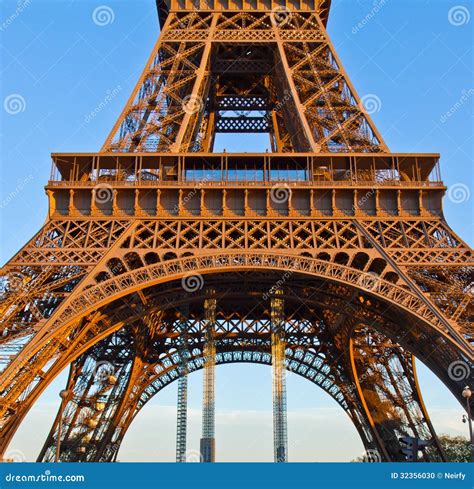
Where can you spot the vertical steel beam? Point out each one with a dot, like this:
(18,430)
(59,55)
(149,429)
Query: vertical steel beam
(280,433)
(182,418)
(304,128)
(182,403)
(208,403)
(197,93)
(140,82)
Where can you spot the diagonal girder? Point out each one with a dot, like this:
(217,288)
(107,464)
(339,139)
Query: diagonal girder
(316,108)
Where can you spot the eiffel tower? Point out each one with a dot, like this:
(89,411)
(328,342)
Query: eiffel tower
(328,257)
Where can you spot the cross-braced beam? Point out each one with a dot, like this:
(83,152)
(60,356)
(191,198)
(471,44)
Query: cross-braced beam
(208,399)
(280,437)
(182,403)
(359,227)
(377,386)
(201,57)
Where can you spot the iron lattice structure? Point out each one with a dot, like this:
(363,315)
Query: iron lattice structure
(182,402)
(352,236)
(207,448)
(280,434)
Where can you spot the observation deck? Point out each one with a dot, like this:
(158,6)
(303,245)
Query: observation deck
(269,185)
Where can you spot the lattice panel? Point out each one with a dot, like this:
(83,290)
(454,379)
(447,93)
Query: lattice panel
(331,105)
(242,124)
(452,290)
(152,118)
(97,383)
(158,116)
(388,385)
(75,242)
(423,242)
(248,234)
(82,279)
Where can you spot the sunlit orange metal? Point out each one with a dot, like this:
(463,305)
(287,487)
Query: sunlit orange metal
(330,211)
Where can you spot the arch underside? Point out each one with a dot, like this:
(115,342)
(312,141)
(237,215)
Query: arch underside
(337,290)
(335,340)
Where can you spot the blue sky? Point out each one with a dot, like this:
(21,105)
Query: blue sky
(59,66)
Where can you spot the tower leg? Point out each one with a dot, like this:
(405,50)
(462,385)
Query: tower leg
(387,385)
(208,408)
(280,436)
(97,383)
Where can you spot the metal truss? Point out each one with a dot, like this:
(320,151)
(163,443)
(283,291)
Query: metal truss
(207,447)
(280,431)
(73,324)
(204,59)
(321,7)
(182,403)
(95,386)
(316,348)
(353,236)
(392,400)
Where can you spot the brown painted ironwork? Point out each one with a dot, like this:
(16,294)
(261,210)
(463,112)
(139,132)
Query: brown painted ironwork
(352,235)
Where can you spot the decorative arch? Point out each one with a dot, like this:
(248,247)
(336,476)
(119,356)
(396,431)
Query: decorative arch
(77,322)
(167,371)
(151,379)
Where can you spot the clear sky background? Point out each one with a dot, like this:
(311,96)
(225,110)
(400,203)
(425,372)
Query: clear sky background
(57,68)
